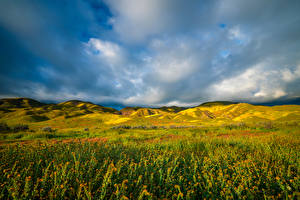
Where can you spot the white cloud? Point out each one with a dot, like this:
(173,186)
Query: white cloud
(289,75)
(258,83)
(279,93)
(151,96)
(235,86)
(179,103)
(111,52)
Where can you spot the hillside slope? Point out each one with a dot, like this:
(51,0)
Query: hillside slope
(23,110)
(74,113)
(8,103)
(243,112)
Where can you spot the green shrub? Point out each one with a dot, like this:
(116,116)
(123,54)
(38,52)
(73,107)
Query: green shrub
(20,127)
(4,127)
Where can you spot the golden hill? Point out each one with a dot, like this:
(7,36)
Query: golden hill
(127,111)
(23,110)
(87,106)
(79,113)
(243,112)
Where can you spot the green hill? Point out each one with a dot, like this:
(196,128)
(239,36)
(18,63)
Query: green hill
(19,103)
(217,103)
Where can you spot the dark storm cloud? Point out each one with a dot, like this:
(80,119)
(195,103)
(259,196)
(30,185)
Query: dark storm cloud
(42,47)
(150,52)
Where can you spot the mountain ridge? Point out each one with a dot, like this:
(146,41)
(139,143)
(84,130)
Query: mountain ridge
(17,102)
(25,110)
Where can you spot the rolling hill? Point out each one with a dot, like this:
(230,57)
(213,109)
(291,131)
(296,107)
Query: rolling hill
(74,113)
(19,103)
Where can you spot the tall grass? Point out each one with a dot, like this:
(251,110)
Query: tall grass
(188,168)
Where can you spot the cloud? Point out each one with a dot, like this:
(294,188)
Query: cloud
(142,52)
(137,20)
(289,75)
(173,60)
(105,49)
(257,84)
(238,36)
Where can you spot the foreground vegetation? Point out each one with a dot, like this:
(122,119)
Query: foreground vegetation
(191,163)
(80,150)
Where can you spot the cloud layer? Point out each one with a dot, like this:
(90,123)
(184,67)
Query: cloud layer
(142,52)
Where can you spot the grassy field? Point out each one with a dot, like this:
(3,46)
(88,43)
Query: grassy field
(79,150)
(187,163)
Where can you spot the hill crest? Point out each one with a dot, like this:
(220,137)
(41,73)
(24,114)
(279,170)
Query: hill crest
(19,103)
(29,110)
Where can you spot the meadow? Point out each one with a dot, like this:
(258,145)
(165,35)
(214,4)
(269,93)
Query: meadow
(165,163)
(80,150)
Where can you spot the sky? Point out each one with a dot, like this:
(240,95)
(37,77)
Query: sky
(150,52)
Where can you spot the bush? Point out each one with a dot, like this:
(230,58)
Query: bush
(4,127)
(20,127)
(39,118)
(268,125)
(122,127)
(47,129)
(240,125)
(139,127)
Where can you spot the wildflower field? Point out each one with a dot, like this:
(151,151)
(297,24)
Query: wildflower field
(186,163)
